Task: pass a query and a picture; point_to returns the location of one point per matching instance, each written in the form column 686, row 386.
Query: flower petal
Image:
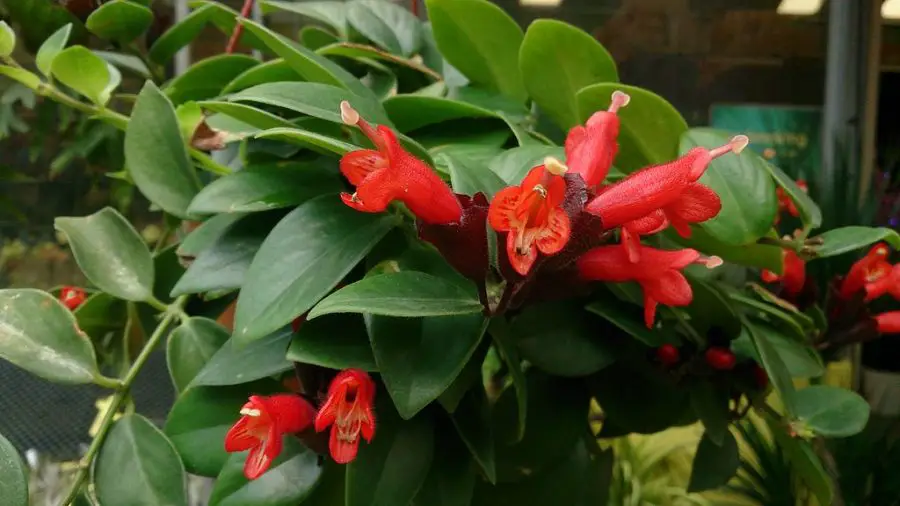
column 555, row 234
column 374, row 193
column 258, row 462
column 343, row 452
column 888, row 323
column 503, row 208
column 521, row 261
column 671, row 289
column 239, row 438
column 696, row 204
column 649, row 310
column 357, row 165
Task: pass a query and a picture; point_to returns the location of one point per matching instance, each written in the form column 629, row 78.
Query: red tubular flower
column 885, row 283
column 590, row 149
column 263, row 422
column 794, row 277
column 888, row 323
column 868, row 269
column 348, row 408
column 532, row 215
column 661, row 186
column 657, row 271
column 391, row 173
column 72, row 297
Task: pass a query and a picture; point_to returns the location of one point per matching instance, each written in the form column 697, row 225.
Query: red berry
column 720, row 358
column 668, row 355
column 72, row 297
column 761, row 376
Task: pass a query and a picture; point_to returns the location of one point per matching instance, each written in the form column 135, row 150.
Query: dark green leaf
column 263, row 187
column 509, row 352
column 313, row 99
column 137, row 464
column 335, row 341
column 410, row 112
column 190, row 348
column 120, row 20
column 110, row 253
column 743, row 185
column 387, row 24
column 557, row 60
column 711, row 403
column 563, row 340
column 628, row 319
column 14, row 485
column 404, row 293
column 845, row 239
column 714, row 464
column 831, row 411
column 233, row 364
column 289, row 481
column 308, row 64
column 809, row 211
column 179, row 35
column 156, row 155
column 52, row 47
column 800, row 360
column 513, row 164
column 804, row 462
column 750, row 255
column 330, row 13
column 472, row 420
column 368, row 55
column 303, row 258
column 650, row 126
column 320, row 143
column 206, row 78
column 469, row 178
column 223, row 265
column 480, row 40
column 420, row 357
column 83, row 71
column 711, row 309
column 201, row 417
column 774, row 365
column 207, row 233
column 273, row 71
column 391, row 469
column 101, row 314
column 451, row 479
column 252, row 116
column 316, row 38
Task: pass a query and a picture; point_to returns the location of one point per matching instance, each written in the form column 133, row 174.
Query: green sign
column 787, row 136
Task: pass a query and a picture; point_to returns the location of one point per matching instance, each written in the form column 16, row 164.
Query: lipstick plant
column 383, row 283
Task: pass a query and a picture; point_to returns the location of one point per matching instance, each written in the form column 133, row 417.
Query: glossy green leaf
column 303, row 258
column 792, row 322
column 831, row 411
column 743, row 185
column 223, row 265
column 250, row 115
column 335, row 342
column 201, row 417
column 472, row 420
column 368, row 54
column 207, row 233
column 480, row 40
column 331, row 13
column 156, row 155
column 273, row 71
column 137, row 464
column 110, row 253
column 391, row 26
column 650, row 126
column 809, row 210
column 313, row 99
column 101, row 314
column 263, row 187
column 308, row 64
column 233, row 364
column 557, row 60
column 846, row 239
column 711, row 309
column 513, row 164
column 420, row 357
column 799, row 358
column 121, row 21
column 289, row 481
column 190, row 347
column 52, row 47
column 774, row 366
column 468, row 177
column 391, row 469
column 714, row 464
column 762, row 256
column 711, row 403
column 562, row 339
column 7, row 40
column 80, row 69
column 14, row 485
column 312, row 140
column 409, row 112
column 628, row 319
column 451, row 479
column 179, row 35
column 127, row 62
column 404, row 293
column 316, row 38
column 207, row 78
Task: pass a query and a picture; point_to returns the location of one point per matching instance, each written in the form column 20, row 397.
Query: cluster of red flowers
column 875, row 276
column 535, row 218
column 348, row 410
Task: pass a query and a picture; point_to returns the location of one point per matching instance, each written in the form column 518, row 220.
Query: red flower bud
column 721, row 359
column 72, row 297
column 391, row 173
column 590, row 149
column 794, row 277
column 668, row 355
column 349, row 410
column 888, row 323
column 532, row 215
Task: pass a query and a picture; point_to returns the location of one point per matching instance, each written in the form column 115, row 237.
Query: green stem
column 163, row 239
column 792, row 244
column 155, row 74
column 119, row 398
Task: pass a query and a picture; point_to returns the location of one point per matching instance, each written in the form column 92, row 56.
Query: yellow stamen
column 251, row 412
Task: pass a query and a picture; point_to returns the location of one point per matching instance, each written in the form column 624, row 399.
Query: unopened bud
column 555, row 167
column 348, row 114
column 619, row 100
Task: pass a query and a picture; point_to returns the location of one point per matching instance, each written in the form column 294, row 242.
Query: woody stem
column 119, row 398
column 238, row 27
